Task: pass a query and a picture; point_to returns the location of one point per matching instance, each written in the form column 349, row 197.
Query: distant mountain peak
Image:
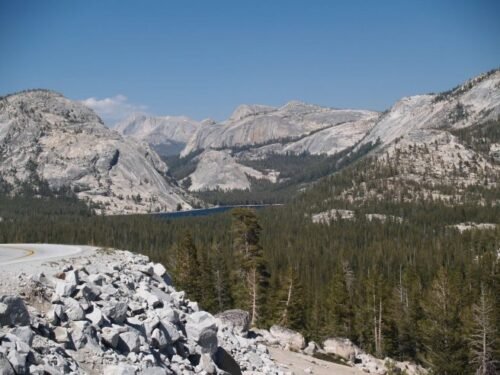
column 246, row 110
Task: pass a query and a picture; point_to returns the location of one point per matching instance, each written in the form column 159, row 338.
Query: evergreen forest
column 415, row 289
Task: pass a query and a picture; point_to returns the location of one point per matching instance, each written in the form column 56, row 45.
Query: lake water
column 208, row 211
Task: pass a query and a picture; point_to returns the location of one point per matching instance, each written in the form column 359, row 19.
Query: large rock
column 19, row 361
column 116, row 311
column 129, row 342
column 159, row 340
column 13, row 311
column 83, row 333
column 226, row 362
column 24, row 334
column 110, row 336
column 237, row 320
column 5, row 366
column 201, row 327
column 288, row 338
column 170, row 330
column 73, row 310
column 342, row 347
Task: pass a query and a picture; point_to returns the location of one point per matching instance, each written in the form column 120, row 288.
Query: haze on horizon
column 202, row 59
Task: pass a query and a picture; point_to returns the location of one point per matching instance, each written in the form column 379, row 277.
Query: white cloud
column 113, row 109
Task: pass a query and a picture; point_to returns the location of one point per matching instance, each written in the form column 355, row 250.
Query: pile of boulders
column 116, row 313
column 246, row 347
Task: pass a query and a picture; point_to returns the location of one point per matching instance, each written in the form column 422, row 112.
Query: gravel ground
column 302, row 364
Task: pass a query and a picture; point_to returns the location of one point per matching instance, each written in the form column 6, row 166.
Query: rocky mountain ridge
column 167, row 135
column 428, row 122
column 46, row 137
column 252, row 125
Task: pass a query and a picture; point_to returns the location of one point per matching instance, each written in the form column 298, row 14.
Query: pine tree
column 340, row 309
column 251, row 275
column 291, row 301
column 483, row 337
column 222, row 279
column 187, row 268
column 371, row 314
column 442, row 329
column 207, row 284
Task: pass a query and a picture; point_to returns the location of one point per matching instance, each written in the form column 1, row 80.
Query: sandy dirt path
column 299, row 363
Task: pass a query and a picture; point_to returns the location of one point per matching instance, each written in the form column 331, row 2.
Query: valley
column 336, row 224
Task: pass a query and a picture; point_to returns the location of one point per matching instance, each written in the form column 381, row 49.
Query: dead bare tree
column 483, row 336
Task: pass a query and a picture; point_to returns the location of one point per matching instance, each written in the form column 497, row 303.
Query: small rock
column 95, row 316
column 64, row 288
column 121, row 369
column 97, row 279
column 61, row 335
column 159, row 269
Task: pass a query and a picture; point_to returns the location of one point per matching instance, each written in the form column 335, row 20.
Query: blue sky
column 203, row 58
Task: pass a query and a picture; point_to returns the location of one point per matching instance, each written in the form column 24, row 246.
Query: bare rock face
column 473, row 102
column 44, row 136
column 220, row 170
column 257, row 124
column 168, row 135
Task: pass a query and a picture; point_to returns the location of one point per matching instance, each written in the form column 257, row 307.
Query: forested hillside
column 415, row 288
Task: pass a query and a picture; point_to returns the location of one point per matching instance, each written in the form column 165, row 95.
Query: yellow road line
column 28, row 253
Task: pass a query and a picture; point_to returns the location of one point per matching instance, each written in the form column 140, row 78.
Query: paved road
column 26, row 253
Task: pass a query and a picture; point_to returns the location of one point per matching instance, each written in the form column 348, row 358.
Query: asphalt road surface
column 27, row 253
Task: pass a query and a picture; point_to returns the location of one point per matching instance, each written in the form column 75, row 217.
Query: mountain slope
column 437, row 146
column 476, row 101
column 44, row 136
